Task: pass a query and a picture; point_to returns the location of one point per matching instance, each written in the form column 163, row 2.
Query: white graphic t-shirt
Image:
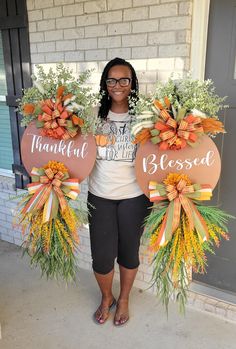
column 113, row 175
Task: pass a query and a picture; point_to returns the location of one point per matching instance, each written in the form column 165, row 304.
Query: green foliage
column 45, row 86
column 62, row 75
column 165, row 262
column 191, row 94
column 166, row 288
column 142, row 104
column 215, row 215
column 60, row 260
column 154, row 219
column 81, row 208
column 56, row 263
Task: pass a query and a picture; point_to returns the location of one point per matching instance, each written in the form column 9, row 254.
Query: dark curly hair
column 105, row 101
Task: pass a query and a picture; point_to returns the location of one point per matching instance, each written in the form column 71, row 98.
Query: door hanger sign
column 202, row 163
column 78, row 154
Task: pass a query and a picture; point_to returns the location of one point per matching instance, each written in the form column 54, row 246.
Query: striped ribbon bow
column 49, row 191
column 180, row 196
column 55, row 120
column 176, row 134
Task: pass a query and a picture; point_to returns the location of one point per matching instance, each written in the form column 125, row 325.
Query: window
column 6, row 154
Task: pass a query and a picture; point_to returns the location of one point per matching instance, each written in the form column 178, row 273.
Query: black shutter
column 16, row 51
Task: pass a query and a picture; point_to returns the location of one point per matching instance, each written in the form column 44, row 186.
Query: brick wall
column 7, row 191
column 155, row 38
column 154, row 35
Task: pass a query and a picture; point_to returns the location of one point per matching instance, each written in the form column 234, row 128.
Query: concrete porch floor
column 40, row 314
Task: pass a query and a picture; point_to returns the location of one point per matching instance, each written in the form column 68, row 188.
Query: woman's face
column 119, row 93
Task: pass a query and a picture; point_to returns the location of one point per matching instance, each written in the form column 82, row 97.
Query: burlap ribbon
column 49, row 191
column 55, row 120
column 180, row 196
column 176, row 134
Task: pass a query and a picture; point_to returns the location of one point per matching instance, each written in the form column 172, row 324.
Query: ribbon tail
column 38, row 199
column 176, row 214
column 166, row 227
column 161, row 240
column 50, row 208
column 55, row 205
column 61, row 198
column 200, row 224
column 169, row 220
column 47, row 208
column 188, row 208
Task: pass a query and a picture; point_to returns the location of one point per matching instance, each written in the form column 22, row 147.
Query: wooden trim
column 16, row 50
column 11, row 101
column 19, row 169
column 200, row 17
column 18, row 21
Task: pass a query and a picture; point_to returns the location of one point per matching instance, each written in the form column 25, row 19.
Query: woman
column 119, row 205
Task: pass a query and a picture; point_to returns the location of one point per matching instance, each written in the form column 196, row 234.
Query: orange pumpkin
column 101, row 140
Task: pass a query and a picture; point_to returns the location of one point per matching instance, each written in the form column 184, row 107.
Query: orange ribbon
column 55, row 120
column 175, row 134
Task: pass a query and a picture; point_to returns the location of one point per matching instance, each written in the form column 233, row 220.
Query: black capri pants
column 116, row 227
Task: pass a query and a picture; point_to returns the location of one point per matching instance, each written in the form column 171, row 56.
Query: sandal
column 124, row 317
column 103, row 310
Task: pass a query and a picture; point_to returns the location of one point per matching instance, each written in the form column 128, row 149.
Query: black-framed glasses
column 111, row 82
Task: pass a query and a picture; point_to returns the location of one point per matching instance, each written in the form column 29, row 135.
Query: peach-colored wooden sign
column 78, row 154
column 202, row 163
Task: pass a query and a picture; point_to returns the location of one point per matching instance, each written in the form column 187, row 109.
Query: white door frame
column 200, row 17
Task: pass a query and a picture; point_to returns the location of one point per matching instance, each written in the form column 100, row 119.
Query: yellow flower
column 56, row 166
column 153, row 240
column 174, row 178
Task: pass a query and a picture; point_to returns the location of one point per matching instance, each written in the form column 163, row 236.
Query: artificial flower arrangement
column 180, row 229
column 49, row 216
column 60, row 105
column 178, row 113
column 52, row 210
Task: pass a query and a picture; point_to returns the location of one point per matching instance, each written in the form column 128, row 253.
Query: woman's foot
column 122, row 312
column 102, row 313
